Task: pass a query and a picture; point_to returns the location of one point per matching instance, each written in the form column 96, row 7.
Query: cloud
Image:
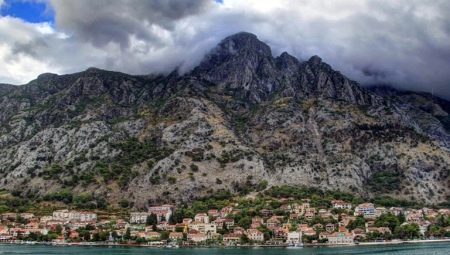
column 403, row 43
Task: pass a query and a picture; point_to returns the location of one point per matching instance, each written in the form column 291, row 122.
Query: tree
column 86, row 236
column 443, row 221
column 359, row 222
column 152, row 220
column 244, row 239
column 58, row 229
column 408, row 231
column 388, row 220
column 127, row 235
column 245, row 222
column 114, row 235
column 401, row 218
column 124, row 203
column 164, row 235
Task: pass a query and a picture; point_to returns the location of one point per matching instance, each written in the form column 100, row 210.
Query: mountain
column 240, row 121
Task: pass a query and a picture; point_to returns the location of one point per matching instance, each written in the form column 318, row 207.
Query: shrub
column 194, row 167
column 172, row 180
column 124, row 203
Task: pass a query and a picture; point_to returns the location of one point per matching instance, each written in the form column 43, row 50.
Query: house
column 66, row 215
column 342, row 229
column 287, row 226
column 171, row 227
column 255, row 235
column 265, row 212
column 286, row 208
column 340, row 238
column 340, row 204
column 204, row 228
column 257, row 222
column 358, row 233
column 9, row 216
column 202, row 217
column 306, row 230
column 431, row 214
column 379, row 211
column 214, row 213
column 121, row 223
column 226, row 211
column 31, row 225
column 311, row 210
column 444, row 212
column 330, row 227
column 197, row 237
column 294, row 216
column 423, row 226
column 236, row 211
column 273, row 222
column 61, row 215
column 44, row 219
column 294, row 237
column 84, row 216
column 27, row 216
column 3, row 230
column 74, row 234
column 396, row 210
column 163, row 212
column 138, row 217
column 414, row 217
column 224, row 222
column 324, row 214
column 54, row 224
column 381, row 230
column 76, row 224
column 187, row 221
column 280, row 232
column 366, row 209
column 239, row 230
column 317, row 227
column 175, row 236
column 232, row 239
column 152, row 235
column 309, row 215
column 305, row 205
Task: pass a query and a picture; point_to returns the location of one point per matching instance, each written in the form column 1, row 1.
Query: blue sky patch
column 30, row 11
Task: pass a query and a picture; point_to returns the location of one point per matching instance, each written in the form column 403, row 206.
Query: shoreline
column 81, row 244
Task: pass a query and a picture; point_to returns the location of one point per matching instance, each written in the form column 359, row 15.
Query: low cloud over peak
column 403, row 43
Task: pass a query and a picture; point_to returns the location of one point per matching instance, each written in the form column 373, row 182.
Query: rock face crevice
column 242, row 116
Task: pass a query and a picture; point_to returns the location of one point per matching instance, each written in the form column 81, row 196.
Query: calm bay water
column 402, row 249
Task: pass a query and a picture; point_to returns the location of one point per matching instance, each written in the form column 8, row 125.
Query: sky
column 403, row 43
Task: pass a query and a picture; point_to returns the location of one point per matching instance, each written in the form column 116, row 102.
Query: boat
column 295, row 245
column 172, row 245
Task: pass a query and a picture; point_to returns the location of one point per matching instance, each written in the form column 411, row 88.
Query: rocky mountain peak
column 243, row 50
column 315, row 60
column 243, row 41
column 286, row 60
column 46, row 76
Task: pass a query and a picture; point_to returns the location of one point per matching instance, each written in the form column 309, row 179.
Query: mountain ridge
column 240, row 118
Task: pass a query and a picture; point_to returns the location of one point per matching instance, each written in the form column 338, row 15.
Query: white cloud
column 402, row 42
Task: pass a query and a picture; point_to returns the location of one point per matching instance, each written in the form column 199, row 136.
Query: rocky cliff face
column 241, row 117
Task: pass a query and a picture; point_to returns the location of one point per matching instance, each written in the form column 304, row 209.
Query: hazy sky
column 405, row 43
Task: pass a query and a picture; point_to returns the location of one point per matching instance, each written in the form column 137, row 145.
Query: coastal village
column 276, row 222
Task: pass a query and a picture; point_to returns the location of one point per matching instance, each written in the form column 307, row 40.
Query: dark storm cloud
column 31, row 48
column 404, row 43
column 104, row 21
